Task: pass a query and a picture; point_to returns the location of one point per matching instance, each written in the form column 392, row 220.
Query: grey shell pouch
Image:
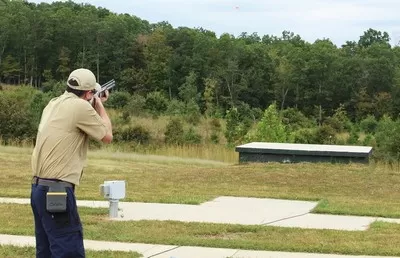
column 56, row 199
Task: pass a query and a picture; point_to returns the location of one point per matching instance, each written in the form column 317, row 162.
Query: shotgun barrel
column 106, row 86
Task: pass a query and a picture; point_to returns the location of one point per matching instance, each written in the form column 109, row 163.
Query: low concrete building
column 292, row 153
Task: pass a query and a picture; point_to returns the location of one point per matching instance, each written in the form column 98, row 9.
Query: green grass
column 353, row 189
column 380, row 239
column 211, row 152
column 7, row 251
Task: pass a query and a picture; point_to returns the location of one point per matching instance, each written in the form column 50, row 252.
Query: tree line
column 43, row 43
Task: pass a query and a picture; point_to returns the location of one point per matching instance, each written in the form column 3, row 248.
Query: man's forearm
column 103, row 114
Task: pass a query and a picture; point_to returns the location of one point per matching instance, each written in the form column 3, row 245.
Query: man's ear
column 86, row 95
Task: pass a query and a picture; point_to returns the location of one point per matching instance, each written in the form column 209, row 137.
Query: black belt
column 50, row 182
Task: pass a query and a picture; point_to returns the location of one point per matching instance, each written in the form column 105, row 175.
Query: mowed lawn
column 341, row 189
column 353, row 189
column 25, row 252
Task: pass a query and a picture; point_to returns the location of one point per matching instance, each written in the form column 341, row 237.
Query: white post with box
column 114, row 191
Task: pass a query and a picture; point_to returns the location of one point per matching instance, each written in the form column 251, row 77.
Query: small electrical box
column 105, row 191
column 113, row 190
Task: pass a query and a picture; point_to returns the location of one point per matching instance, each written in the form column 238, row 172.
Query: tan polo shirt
column 63, row 138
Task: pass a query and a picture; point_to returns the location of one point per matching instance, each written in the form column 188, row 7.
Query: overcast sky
column 338, row 20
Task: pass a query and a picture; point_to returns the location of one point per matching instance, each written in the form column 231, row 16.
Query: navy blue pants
column 58, row 235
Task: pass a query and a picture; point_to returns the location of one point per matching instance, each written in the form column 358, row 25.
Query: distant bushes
column 270, row 128
column 369, row 124
column 118, row 99
column 137, row 134
column 175, row 133
column 156, row 103
column 388, row 138
column 181, row 123
column 17, row 120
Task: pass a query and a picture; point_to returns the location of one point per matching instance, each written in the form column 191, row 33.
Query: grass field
column 352, row 189
column 24, row 252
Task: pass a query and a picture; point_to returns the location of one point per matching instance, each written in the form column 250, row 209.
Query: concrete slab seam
column 295, row 216
column 163, row 252
column 233, row 255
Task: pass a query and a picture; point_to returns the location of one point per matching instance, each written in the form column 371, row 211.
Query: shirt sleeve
column 90, row 122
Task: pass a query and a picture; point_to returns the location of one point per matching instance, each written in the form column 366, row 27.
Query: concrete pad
column 257, row 210
column 158, row 249
column 234, row 210
column 20, row 241
column 15, row 200
column 188, row 213
column 93, row 204
column 321, row 221
column 197, row 252
column 228, row 210
column 148, row 249
column 155, row 211
column 246, row 202
column 224, row 217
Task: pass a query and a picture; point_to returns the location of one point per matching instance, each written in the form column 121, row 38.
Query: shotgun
column 106, row 86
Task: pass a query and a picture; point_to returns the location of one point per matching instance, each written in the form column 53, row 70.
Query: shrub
column 236, row 126
column 353, row 139
column 125, row 117
column 245, row 113
column 176, row 108
column 256, row 113
column 156, row 103
column 174, row 132
column 135, row 105
column 191, row 137
column 270, row 128
column 325, row 134
column 334, row 124
column 369, row 124
column 304, row 135
column 340, row 116
column 118, row 99
column 369, row 140
column 16, row 120
column 294, row 119
column 215, row 124
column 388, row 138
column 36, row 106
column 192, row 113
column 54, row 88
column 136, row 133
column 214, row 138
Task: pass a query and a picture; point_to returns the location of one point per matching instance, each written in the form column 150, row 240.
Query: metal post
column 113, row 208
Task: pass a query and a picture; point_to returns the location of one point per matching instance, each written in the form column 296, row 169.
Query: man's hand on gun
column 105, row 87
column 102, row 92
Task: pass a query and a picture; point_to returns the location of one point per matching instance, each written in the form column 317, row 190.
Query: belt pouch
column 56, row 199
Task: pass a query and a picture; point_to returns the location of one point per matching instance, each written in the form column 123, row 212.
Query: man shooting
column 58, row 159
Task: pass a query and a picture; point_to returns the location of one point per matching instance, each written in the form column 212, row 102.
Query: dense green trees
column 43, row 42
column 318, row 89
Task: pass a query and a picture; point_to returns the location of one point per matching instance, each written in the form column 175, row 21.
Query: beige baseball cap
column 82, row 79
column 98, row 87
